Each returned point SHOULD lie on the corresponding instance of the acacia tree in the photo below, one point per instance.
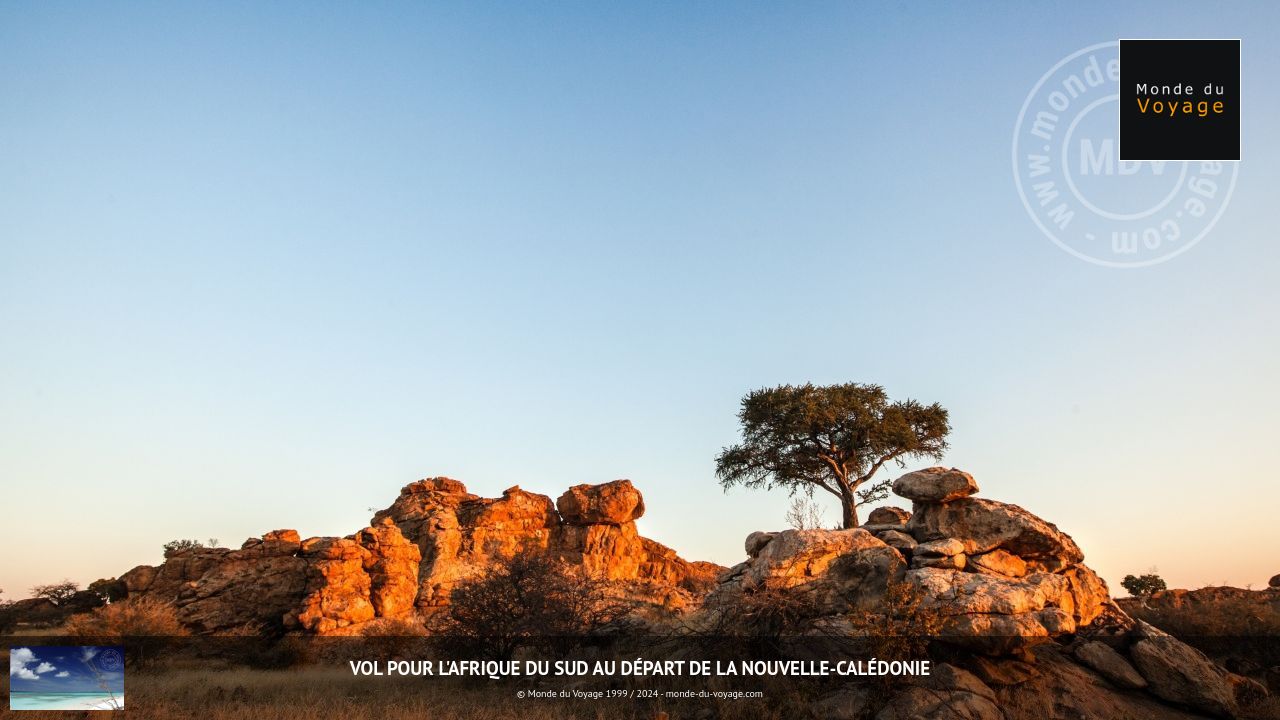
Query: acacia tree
(1143, 586)
(57, 593)
(831, 437)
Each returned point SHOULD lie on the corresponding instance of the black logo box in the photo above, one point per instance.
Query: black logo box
(1186, 68)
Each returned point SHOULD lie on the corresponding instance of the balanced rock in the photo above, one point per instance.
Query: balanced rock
(1274, 581)
(612, 503)
(888, 516)
(756, 541)
(986, 525)
(935, 485)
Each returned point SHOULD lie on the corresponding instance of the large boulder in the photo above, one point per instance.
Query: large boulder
(612, 552)
(1108, 663)
(899, 541)
(756, 541)
(986, 525)
(139, 579)
(838, 570)
(1181, 674)
(613, 503)
(1064, 689)
(996, 614)
(947, 553)
(947, 693)
(1274, 581)
(888, 516)
(1089, 594)
(935, 485)
(999, 562)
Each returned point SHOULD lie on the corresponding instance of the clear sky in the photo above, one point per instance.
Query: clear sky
(261, 264)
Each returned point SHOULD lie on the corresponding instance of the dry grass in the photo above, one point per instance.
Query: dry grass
(141, 617)
(1229, 617)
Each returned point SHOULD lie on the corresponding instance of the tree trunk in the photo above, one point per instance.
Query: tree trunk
(849, 507)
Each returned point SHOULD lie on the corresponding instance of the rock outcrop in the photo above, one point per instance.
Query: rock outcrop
(591, 526)
(1008, 588)
(434, 536)
(1026, 628)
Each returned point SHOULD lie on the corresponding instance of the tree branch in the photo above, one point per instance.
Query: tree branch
(879, 463)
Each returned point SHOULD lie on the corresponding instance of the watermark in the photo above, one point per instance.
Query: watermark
(1070, 178)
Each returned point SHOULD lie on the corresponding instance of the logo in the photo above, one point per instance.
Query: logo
(1180, 99)
(1082, 196)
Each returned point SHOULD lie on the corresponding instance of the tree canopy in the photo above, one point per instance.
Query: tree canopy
(831, 437)
(1142, 586)
(56, 593)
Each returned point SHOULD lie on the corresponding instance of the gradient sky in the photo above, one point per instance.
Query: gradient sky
(261, 264)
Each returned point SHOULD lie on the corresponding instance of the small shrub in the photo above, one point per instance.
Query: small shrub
(805, 513)
(177, 546)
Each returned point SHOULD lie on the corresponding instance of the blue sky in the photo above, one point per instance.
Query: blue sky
(64, 669)
(261, 265)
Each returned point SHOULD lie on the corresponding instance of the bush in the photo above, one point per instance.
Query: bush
(531, 601)
(148, 625)
(137, 617)
(177, 546)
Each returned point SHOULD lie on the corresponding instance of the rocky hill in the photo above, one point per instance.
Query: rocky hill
(1028, 629)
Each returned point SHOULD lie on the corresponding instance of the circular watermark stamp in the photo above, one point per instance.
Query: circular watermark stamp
(110, 660)
(1089, 202)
